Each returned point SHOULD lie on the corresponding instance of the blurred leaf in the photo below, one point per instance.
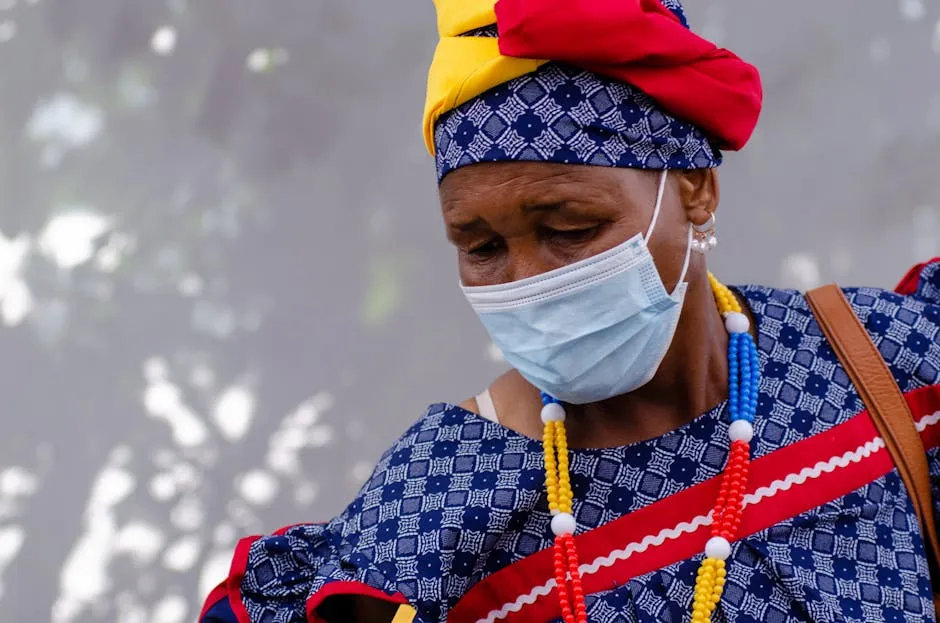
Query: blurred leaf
(384, 291)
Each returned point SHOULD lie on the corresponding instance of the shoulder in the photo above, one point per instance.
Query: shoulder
(292, 571)
(904, 323)
(905, 326)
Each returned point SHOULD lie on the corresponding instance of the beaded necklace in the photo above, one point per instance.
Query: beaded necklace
(743, 379)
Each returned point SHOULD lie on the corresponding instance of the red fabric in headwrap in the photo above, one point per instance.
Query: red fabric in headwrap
(642, 43)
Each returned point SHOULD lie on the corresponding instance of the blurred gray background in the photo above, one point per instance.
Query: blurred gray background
(224, 286)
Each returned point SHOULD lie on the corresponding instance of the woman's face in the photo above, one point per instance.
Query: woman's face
(512, 220)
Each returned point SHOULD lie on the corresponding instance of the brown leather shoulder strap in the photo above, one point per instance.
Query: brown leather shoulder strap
(886, 405)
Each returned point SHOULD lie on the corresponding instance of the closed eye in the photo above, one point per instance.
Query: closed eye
(573, 236)
(486, 249)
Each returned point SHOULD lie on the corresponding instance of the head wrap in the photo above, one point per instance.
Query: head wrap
(627, 85)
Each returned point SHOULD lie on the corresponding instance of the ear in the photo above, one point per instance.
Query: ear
(699, 193)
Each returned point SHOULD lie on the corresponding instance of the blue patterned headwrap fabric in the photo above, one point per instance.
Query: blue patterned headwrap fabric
(563, 114)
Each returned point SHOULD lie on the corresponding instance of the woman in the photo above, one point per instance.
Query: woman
(664, 449)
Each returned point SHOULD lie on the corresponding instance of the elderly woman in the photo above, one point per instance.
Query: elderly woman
(665, 448)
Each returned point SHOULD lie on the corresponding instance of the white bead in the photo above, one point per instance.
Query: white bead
(712, 242)
(741, 430)
(553, 412)
(718, 547)
(697, 246)
(736, 322)
(563, 524)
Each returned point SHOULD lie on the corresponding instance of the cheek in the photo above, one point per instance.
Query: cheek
(483, 271)
(669, 247)
(613, 235)
(469, 272)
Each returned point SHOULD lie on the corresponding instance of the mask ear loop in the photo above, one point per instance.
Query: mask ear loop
(688, 255)
(649, 232)
(659, 203)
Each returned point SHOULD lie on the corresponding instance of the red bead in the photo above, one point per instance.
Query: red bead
(566, 552)
(577, 591)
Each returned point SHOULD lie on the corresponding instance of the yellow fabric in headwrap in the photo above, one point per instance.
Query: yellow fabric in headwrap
(465, 67)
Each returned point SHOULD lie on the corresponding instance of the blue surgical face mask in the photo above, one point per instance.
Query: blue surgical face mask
(591, 330)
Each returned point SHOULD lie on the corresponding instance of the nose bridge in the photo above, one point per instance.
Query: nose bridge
(528, 258)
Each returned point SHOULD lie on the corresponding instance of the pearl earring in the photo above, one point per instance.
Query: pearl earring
(703, 236)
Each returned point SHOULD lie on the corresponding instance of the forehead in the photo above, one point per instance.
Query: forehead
(534, 183)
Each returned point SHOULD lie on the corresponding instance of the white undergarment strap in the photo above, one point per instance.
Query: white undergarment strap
(486, 406)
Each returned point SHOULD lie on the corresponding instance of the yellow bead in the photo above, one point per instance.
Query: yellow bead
(724, 298)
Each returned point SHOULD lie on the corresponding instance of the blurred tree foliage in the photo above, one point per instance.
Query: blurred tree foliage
(204, 164)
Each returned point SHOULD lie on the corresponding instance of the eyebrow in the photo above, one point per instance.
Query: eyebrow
(468, 225)
(554, 206)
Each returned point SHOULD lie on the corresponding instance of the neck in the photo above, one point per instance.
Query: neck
(692, 379)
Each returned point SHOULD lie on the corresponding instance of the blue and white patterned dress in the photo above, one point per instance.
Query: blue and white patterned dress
(455, 520)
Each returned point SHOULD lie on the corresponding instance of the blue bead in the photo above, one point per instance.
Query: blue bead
(743, 377)
(546, 399)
